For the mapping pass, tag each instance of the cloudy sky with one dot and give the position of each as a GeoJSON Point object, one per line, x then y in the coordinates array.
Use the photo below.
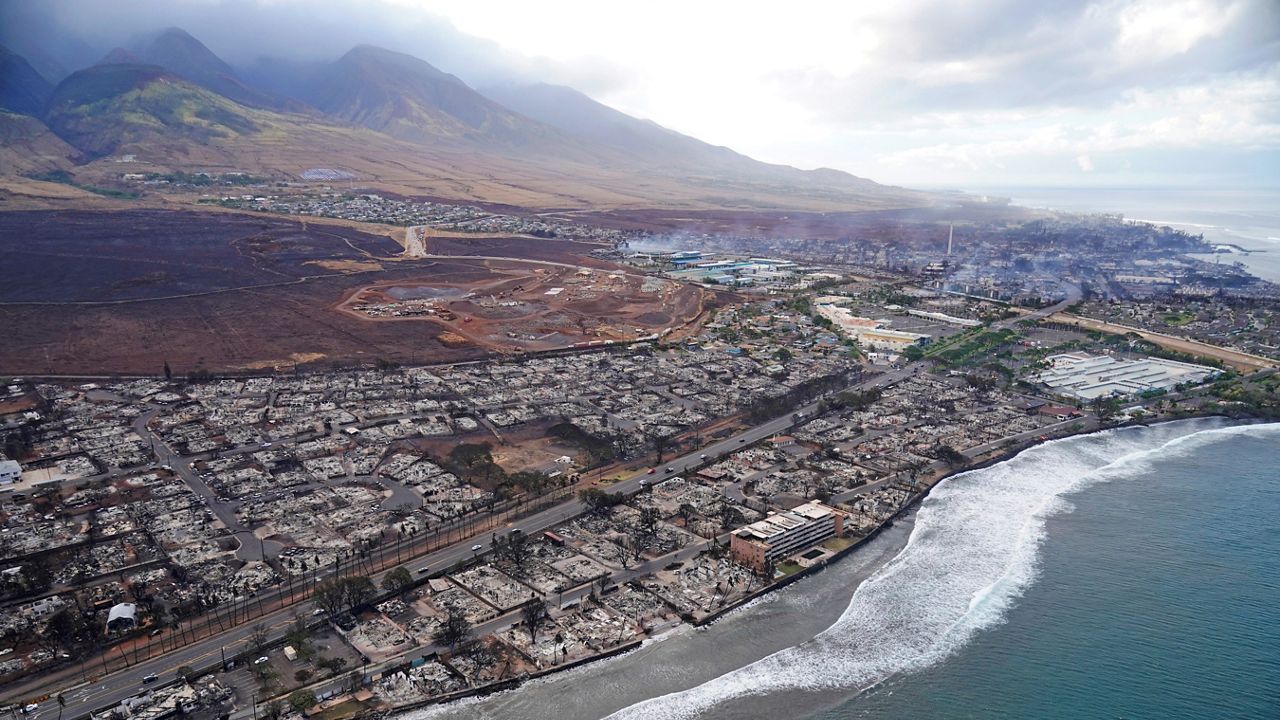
{"type": "Point", "coordinates": [974, 93]}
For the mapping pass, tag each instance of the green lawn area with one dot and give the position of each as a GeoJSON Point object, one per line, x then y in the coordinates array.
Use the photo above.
{"type": "Point", "coordinates": [838, 544]}
{"type": "Point", "coordinates": [970, 346]}
{"type": "Point", "coordinates": [788, 567]}
{"type": "Point", "coordinates": [1179, 319]}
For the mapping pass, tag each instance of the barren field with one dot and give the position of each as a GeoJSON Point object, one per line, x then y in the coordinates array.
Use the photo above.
{"type": "Point", "coordinates": [80, 256]}
{"type": "Point", "coordinates": [529, 307]}
{"type": "Point", "coordinates": [98, 293]}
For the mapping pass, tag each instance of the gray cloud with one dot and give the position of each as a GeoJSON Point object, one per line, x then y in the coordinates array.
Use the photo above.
{"type": "Point", "coordinates": [1026, 55]}
{"type": "Point", "coordinates": [76, 34]}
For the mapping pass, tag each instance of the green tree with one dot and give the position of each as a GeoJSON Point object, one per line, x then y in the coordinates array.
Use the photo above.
{"type": "Point", "coordinates": [469, 455]}
{"type": "Point", "coordinates": [397, 580]}
{"type": "Point", "coordinates": [336, 595]}
{"type": "Point", "coordinates": [300, 700]}
{"type": "Point", "coordinates": [359, 589]}
{"type": "Point", "coordinates": [598, 501]}
{"type": "Point", "coordinates": [65, 630]}
{"type": "Point", "coordinates": [328, 596]}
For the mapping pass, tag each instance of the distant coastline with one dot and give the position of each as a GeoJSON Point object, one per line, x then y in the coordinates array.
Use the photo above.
{"type": "Point", "coordinates": [1246, 220]}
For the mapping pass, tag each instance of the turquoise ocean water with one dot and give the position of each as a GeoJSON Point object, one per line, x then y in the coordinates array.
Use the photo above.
{"type": "Point", "coordinates": [1132, 573]}
{"type": "Point", "coordinates": [1157, 596]}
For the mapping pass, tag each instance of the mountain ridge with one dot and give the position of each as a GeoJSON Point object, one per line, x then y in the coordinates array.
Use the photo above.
{"type": "Point", "coordinates": [182, 54]}
{"type": "Point", "coordinates": [399, 122]}
{"type": "Point", "coordinates": [22, 89]}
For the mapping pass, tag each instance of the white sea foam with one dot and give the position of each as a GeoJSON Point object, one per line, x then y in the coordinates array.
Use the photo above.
{"type": "Point", "coordinates": [1175, 223]}
{"type": "Point", "coordinates": [973, 552]}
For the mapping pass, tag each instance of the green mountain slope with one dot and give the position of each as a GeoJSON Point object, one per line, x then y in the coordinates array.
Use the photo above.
{"type": "Point", "coordinates": [101, 108]}
{"type": "Point", "coordinates": [410, 99]}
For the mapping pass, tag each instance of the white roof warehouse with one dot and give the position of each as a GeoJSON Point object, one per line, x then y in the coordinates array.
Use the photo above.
{"type": "Point", "coordinates": [1087, 376]}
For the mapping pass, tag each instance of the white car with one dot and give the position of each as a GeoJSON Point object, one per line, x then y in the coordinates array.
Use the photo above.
{"type": "Point", "coordinates": [31, 707]}
{"type": "Point", "coordinates": [477, 548]}
{"type": "Point", "coordinates": [261, 660]}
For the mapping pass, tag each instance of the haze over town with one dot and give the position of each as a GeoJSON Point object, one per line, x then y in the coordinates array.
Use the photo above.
{"type": "Point", "coordinates": [376, 359]}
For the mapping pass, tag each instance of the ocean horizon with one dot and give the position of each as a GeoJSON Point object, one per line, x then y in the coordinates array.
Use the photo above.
{"type": "Point", "coordinates": [1248, 218]}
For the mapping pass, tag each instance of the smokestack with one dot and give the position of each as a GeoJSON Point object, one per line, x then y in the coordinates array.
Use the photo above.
{"type": "Point", "coordinates": [951, 231]}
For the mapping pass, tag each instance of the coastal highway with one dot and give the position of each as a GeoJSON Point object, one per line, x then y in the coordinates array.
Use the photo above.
{"type": "Point", "coordinates": [506, 621]}
{"type": "Point", "coordinates": [208, 653]}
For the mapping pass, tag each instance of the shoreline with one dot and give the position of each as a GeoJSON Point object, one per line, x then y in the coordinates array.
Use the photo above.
{"type": "Point", "coordinates": [906, 515]}
{"type": "Point", "coordinates": [903, 514]}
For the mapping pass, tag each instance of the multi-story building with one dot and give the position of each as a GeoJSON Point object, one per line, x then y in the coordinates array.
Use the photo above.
{"type": "Point", "coordinates": [782, 534]}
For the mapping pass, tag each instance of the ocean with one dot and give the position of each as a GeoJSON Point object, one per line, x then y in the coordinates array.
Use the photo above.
{"type": "Point", "coordinates": [1131, 573]}
{"type": "Point", "coordinates": [1249, 219]}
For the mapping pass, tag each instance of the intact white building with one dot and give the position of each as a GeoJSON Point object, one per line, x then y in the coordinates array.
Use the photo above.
{"type": "Point", "coordinates": [10, 472]}
{"type": "Point", "coordinates": [1085, 376]}
{"type": "Point", "coordinates": [868, 332]}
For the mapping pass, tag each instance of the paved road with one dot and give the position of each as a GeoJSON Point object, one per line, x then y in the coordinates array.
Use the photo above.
{"type": "Point", "coordinates": [504, 622]}
{"type": "Point", "coordinates": [208, 653]}
{"type": "Point", "coordinates": [1074, 293]}
{"type": "Point", "coordinates": [251, 547]}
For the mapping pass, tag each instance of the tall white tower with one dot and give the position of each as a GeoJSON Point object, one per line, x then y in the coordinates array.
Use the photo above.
{"type": "Point", "coordinates": [951, 231]}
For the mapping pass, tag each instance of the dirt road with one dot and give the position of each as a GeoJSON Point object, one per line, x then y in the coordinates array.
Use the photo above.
{"type": "Point", "coordinates": [1233, 358]}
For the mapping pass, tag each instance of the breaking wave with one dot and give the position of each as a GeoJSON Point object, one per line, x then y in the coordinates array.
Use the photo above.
{"type": "Point", "coordinates": [973, 552]}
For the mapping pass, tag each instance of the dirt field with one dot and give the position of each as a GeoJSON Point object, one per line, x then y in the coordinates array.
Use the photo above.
{"type": "Point", "coordinates": [95, 293]}
{"type": "Point", "coordinates": [526, 307]}
{"type": "Point", "coordinates": [85, 256]}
